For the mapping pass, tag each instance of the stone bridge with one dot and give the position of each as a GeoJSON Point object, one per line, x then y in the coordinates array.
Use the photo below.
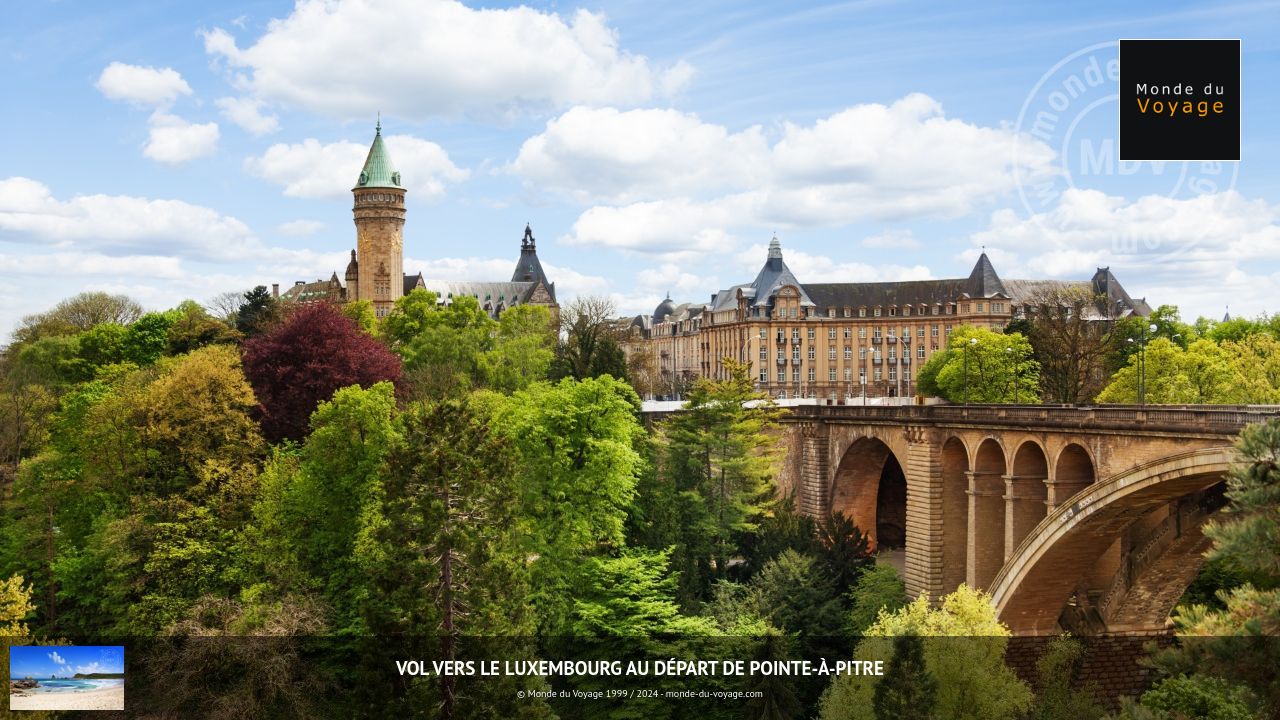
{"type": "Point", "coordinates": [1079, 518]}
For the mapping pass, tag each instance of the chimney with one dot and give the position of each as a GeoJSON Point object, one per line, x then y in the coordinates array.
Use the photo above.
{"type": "Point", "coordinates": [275, 289]}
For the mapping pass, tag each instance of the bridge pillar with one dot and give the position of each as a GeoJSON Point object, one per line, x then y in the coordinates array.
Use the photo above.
{"type": "Point", "coordinates": [986, 526]}
{"type": "Point", "coordinates": [1024, 508]}
{"type": "Point", "coordinates": [814, 497]}
{"type": "Point", "coordinates": [1058, 492]}
{"type": "Point", "coordinates": [925, 529]}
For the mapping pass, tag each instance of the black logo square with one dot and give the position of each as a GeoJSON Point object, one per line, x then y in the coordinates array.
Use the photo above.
{"type": "Point", "coordinates": [1179, 100]}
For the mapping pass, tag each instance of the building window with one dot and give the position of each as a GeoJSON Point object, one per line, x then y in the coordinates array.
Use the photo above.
{"type": "Point", "coordinates": [813, 352]}
{"type": "Point", "coordinates": [875, 334]}
{"type": "Point", "coordinates": [877, 312]}
{"type": "Point", "coordinates": [764, 375]}
{"type": "Point", "coordinates": [812, 375]}
{"type": "Point", "coordinates": [862, 376]}
{"type": "Point", "coordinates": [795, 353]}
{"type": "Point", "coordinates": [782, 376]}
{"type": "Point", "coordinates": [831, 353]}
{"type": "Point", "coordinates": [795, 375]}
{"type": "Point", "coordinates": [893, 311]}
{"type": "Point", "coordinates": [933, 331]}
{"type": "Point", "coordinates": [811, 333]}
{"type": "Point", "coordinates": [948, 332]}
{"type": "Point", "coordinates": [862, 333]}
{"type": "Point", "coordinates": [795, 334]}
{"type": "Point", "coordinates": [831, 375]}
{"type": "Point", "coordinates": [831, 333]}
{"type": "Point", "coordinates": [831, 312]}
{"type": "Point", "coordinates": [934, 348]}
{"type": "Point", "coordinates": [862, 353]}
{"type": "Point", "coordinates": [920, 351]}
{"type": "Point", "coordinates": [862, 312]}
{"type": "Point", "coordinates": [906, 310]}
{"type": "Point", "coordinates": [878, 376]}
{"type": "Point", "coordinates": [848, 333]}
{"type": "Point", "coordinates": [764, 353]}
{"type": "Point", "coordinates": [979, 307]}
{"type": "Point", "coordinates": [764, 334]}
{"type": "Point", "coordinates": [848, 373]}
{"type": "Point", "coordinates": [893, 374]}
{"type": "Point", "coordinates": [997, 307]}
{"type": "Point", "coordinates": [848, 353]}
{"type": "Point", "coordinates": [920, 331]}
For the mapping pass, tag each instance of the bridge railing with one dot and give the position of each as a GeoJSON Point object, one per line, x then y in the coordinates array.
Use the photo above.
{"type": "Point", "coordinates": [1210, 418]}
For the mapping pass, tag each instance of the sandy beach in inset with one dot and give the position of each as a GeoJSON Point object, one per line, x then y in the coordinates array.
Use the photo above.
{"type": "Point", "coordinates": [109, 698]}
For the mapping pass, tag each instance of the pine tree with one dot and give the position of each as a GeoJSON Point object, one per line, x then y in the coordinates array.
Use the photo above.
{"type": "Point", "coordinates": [720, 458]}
{"type": "Point", "coordinates": [907, 690]}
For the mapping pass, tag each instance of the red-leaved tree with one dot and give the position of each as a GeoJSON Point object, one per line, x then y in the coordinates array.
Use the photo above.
{"type": "Point", "coordinates": [301, 362]}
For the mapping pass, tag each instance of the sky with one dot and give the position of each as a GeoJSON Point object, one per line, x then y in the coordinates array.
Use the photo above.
{"type": "Point", "coordinates": [43, 661]}
{"type": "Point", "coordinates": [171, 150]}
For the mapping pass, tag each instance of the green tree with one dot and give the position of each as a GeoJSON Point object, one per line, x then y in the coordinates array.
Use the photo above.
{"type": "Point", "coordinates": [1196, 698]}
{"type": "Point", "coordinates": [720, 458]}
{"type": "Point", "coordinates": [1255, 367]}
{"type": "Point", "coordinates": [192, 328]}
{"type": "Point", "coordinates": [1166, 377]}
{"type": "Point", "coordinates": [101, 345]}
{"type": "Point", "coordinates": [796, 595]}
{"type": "Point", "coordinates": [78, 313]}
{"type": "Point", "coordinates": [1237, 643]}
{"type": "Point", "coordinates": [631, 595]}
{"type": "Point", "coordinates": [447, 556]}
{"type": "Point", "coordinates": [590, 347]}
{"type": "Point", "coordinates": [844, 552]}
{"type": "Point", "coordinates": [907, 689]}
{"type": "Point", "coordinates": [982, 366]}
{"type": "Point", "coordinates": [973, 681]}
{"type": "Point", "coordinates": [15, 606]}
{"type": "Point", "coordinates": [361, 311]}
{"type": "Point", "coordinates": [574, 477]}
{"type": "Point", "coordinates": [257, 312]}
{"type": "Point", "coordinates": [522, 349]}
{"type": "Point", "coordinates": [147, 338]}
{"type": "Point", "coordinates": [442, 345]}
{"type": "Point", "coordinates": [878, 589]}
{"type": "Point", "coordinates": [1055, 698]}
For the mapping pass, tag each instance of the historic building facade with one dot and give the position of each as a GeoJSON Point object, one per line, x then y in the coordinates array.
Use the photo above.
{"type": "Point", "coordinates": [376, 271]}
{"type": "Point", "coordinates": [835, 340]}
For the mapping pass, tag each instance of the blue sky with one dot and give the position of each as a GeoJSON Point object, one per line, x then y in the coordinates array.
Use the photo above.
{"type": "Point", "coordinates": [42, 661]}
{"type": "Point", "coordinates": [170, 150]}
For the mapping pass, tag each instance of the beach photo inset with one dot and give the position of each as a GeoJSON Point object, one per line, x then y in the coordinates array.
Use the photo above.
{"type": "Point", "coordinates": [66, 677]}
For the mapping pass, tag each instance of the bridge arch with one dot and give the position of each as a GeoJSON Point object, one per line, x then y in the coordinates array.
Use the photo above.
{"type": "Point", "coordinates": [870, 487]}
{"type": "Point", "coordinates": [1073, 470]}
{"type": "Point", "coordinates": [955, 512]}
{"type": "Point", "coordinates": [986, 512]}
{"type": "Point", "coordinates": [1027, 493]}
{"type": "Point", "coordinates": [1033, 587]}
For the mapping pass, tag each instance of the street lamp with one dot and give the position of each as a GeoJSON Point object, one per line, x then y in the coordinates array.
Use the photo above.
{"type": "Point", "coordinates": [1013, 376]}
{"type": "Point", "coordinates": [972, 342]}
{"type": "Point", "coordinates": [1142, 362]}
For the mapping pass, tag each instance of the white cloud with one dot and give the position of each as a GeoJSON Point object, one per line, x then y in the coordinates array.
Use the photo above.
{"type": "Point", "coordinates": [667, 180]}
{"type": "Point", "coordinates": [118, 224]}
{"type": "Point", "coordinates": [674, 279]}
{"type": "Point", "coordinates": [892, 240]}
{"type": "Point", "coordinates": [810, 268]}
{"type": "Point", "coordinates": [56, 658]}
{"type": "Point", "coordinates": [619, 157]}
{"type": "Point", "coordinates": [313, 170]}
{"type": "Point", "coordinates": [1199, 252]}
{"type": "Point", "coordinates": [93, 667]}
{"type": "Point", "coordinates": [97, 264]}
{"type": "Point", "coordinates": [248, 114]}
{"type": "Point", "coordinates": [300, 227]}
{"type": "Point", "coordinates": [142, 85]}
{"type": "Point", "coordinates": [347, 58]}
{"type": "Point", "coordinates": [174, 141]}
{"type": "Point", "coordinates": [672, 230]}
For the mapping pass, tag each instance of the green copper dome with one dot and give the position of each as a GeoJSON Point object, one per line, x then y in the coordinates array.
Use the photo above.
{"type": "Point", "coordinates": [378, 171]}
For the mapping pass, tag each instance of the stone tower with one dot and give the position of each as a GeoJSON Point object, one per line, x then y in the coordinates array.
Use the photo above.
{"type": "Point", "coordinates": [378, 265]}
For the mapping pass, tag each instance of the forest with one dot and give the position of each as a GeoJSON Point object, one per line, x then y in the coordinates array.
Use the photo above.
{"type": "Point", "coordinates": [269, 503]}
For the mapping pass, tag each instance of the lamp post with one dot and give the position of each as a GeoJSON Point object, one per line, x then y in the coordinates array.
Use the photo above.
{"type": "Point", "coordinates": [1013, 374]}
{"type": "Point", "coordinates": [972, 342]}
{"type": "Point", "coordinates": [1142, 362]}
